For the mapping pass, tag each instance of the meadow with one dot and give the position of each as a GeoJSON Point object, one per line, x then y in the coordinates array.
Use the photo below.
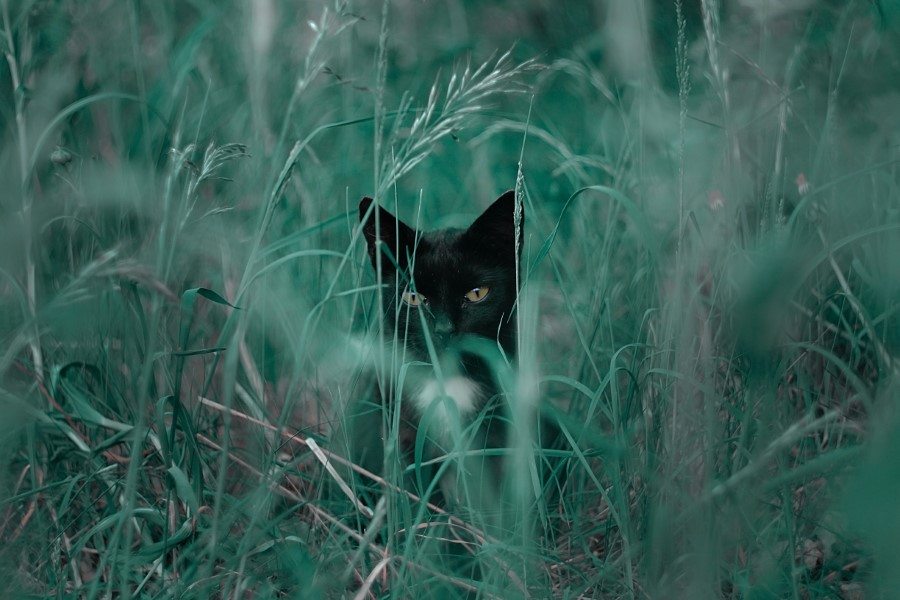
{"type": "Point", "coordinates": [709, 304]}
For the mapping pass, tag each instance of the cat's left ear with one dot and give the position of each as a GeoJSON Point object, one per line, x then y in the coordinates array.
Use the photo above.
{"type": "Point", "coordinates": [397, 236]}
{"type": "Point", "coordinates": [495, 229]}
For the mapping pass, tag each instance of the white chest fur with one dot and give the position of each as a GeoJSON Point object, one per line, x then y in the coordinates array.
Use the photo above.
{"type": "Point", "coordinates": [448, 402]}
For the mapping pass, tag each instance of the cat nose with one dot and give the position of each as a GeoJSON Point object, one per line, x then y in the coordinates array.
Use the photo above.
{"type": "Point", "coordinates": [443, 327]}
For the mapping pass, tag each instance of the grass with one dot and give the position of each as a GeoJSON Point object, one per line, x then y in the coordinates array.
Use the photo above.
{"type": "Point", "coordinates": [709, 306]}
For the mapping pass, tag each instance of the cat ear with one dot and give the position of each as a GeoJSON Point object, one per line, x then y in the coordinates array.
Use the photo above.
{"type": "Point", "coordinates": [399, 238]}
{"type": "Point", "coordinates": [495, 229]}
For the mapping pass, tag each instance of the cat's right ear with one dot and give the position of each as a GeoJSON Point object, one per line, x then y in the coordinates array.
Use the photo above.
{"type": "Point", "coordinates": [396, 236]}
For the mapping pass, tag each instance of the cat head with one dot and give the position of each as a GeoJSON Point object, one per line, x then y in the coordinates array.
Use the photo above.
{"type": "Point", "coordinates": [458, 283]}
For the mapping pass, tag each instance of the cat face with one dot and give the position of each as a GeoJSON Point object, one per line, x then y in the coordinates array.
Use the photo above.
{"type": "Point", "coordinates": [450, 284]}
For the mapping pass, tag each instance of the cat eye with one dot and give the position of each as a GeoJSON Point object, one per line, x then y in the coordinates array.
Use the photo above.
{"type": "Point", "coordinates": [478, 294]}
{"type": "Point", "coordinates": [413, 299]}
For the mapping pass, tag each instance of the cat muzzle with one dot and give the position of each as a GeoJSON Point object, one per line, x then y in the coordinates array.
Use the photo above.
{"type": "Point", "coordinates": [442, 330]}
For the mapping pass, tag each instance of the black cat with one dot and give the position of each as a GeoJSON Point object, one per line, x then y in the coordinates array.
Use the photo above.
{"type": "Point", "coordinates": [449, 298]}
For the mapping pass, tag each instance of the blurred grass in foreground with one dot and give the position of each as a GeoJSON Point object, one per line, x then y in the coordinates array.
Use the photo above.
{"type": "Point", "coordinates": [711, 256]}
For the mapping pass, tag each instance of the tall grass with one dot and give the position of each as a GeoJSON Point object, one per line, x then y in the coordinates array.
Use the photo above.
{"type": "Point", "coordinates": [709, 307]}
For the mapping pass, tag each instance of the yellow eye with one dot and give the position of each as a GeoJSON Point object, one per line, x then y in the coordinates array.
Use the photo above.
{"type": "Point", "coordinates": [478, 294]}
{"type": "Point", "coordinates": [413, 299]}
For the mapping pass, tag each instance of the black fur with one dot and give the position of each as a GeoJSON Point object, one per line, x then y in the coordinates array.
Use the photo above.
{"type": "Point", "coordinates": [443, 266]}
{"type": "Point", "coordinates": [466, 337]}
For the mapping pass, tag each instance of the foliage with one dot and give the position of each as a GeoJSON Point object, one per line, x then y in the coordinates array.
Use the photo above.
{"type": "Point", "coordinates": [709, 308]}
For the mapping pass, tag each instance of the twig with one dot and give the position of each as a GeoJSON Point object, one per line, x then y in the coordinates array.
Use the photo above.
{"type": "Point", "coordinates": [324, 515]}
{"type": "Point", "coordinates": [476, 533]}
{"type": "Point", "coordinates": [370, 579]}
{"type": "Point", "coordinates": [337, 477]}
{"type": "Point", "coordinates": [479, 535]}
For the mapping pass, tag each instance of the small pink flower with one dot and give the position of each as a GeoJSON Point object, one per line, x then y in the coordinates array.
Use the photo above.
{"type": "Point", "coordinates": [715, 199]}
{"type": "Point", "coordinates": [802, 184]}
